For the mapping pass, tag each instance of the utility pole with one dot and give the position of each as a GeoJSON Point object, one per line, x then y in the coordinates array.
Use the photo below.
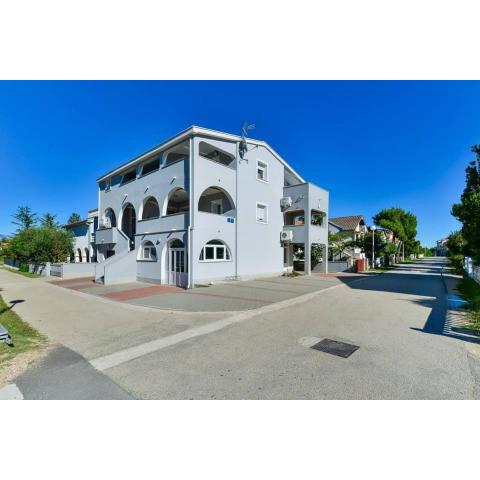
{"type": "Point", "coordinates": [373, 228]}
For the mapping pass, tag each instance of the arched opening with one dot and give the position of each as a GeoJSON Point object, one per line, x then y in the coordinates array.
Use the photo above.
{"type": "Point", "coordinates": [215, 251]}
{"type": "Point", "coordinates": [216, 200]}
{"type": "Point", "coordinates": [150, 209]}
{"type": "Point", "coordinates": [177, 153]}
{"type": "Point", "coordinates": [79, 255]}
{"type": "Point", "coordinates": [129, 222]}
{"type": "Point", "coordinates": [178, 202]}
{"type": "Point", "coordinates": [109, 218]}
{"type": "Point", "coordinates": [147, 252]}
{"type": "Point", "coordinates": [87, 255]}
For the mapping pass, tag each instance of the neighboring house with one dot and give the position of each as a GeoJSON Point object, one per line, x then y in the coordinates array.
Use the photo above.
{"type": "Point", "coordinates": [84, 234]}
{"type": "Point", "coordinates": [351, 228]}
{"type": "Point", "coordinates": [441, 249]}
{"type": "Point", "coordinates": [353, 225]}
{"type": "Point", "coordinates": [206, 206]}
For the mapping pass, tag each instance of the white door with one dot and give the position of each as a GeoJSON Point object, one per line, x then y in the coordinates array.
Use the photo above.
{"type": "Point", "coordinates": [177, 273]}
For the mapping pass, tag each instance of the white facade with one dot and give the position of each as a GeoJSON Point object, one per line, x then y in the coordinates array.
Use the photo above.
{"type": "Point", "coordinates": [193, 211]}
{"type": "Point", "coordinates": [85, 250]}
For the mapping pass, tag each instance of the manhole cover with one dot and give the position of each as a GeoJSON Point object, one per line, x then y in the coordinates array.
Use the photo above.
{"type": "Point", "coordinates": [340, 349]}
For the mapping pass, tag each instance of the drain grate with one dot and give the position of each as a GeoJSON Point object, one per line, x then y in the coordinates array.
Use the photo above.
{"type": "Point", "coordinates": [333, 347]}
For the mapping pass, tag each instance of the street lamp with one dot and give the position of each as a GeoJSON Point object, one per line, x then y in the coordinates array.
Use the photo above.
{"type": "Point", "coordinates": [373, 228]}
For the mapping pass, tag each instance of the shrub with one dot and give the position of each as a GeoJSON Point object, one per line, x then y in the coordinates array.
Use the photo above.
{"type": "Point", "coordinates": [23, 267]}
{"type": "Point", "coordinates": [456, 261]}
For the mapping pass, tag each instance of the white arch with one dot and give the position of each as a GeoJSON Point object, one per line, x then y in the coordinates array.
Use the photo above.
{"type": "Point", "coordinates": [141, 210]}
{"type": "Point", "coordinates": [169, 197]}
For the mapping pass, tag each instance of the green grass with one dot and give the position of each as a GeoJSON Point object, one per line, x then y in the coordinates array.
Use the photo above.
{"type": "Point", "coordinates": [469, 290]}
{"type": "Point", "coordinates": [25, 274]}
{"type": "Point", "coordinates": [24, 337]}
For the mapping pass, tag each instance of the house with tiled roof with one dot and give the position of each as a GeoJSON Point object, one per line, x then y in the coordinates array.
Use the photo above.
{"type": "Point", "coordinates": [354, 224]}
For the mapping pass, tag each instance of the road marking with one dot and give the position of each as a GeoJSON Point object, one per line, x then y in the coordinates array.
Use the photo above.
{"type": "Point", "coordinates": [10, 392]}
{"type": "Point", "coordinates": [122, 356]}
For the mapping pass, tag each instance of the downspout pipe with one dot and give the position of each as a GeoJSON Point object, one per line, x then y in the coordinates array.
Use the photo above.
{"type": "Point", "coordinates": [190, 214]}
{"type": "Point", "coordinates": [236, 207]}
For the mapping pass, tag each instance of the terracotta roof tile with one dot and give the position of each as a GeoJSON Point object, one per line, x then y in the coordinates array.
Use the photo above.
{"type": "Point", "coordinates": [347, 223]}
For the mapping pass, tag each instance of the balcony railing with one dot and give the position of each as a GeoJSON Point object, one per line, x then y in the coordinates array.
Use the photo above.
{"type": "Point", "coordinates": [105, 235]}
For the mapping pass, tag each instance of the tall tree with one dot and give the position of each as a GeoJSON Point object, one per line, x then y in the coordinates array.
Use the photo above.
{"type": "Point", "coordinates": [49, 220]}
{"type": "Point", "coordinates": [467, 211]}
{"type": "Point", "coordinates": [24, 218]}
{"type": "Point", "coordinates": [403, 224]}
{"type": "Point", "coordinates": [74, 217]}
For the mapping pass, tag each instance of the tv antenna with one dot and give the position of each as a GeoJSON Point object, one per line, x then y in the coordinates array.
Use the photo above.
{"type": "Point", "coordinates": [243, 144]}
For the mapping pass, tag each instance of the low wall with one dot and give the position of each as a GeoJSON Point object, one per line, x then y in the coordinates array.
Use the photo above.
{"type": "Point", "coordinates": [11, 263]}
{"type": "Point", "coordinates": [61, 270]}
{"type": "Point", "coordinates": [74, 270]}
{"type": "Point", "coordinates": [42, 269]}
{"type": "Point", "coordinates": [335, 267]}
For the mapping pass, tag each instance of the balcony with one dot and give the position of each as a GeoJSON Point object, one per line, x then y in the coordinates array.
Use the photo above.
{"type": "Point", "coordinates": [299, 232]}
{"type": "Point", "coordinates": [106, 235]}
{"type": "Point", "coordinates": [178, 221]}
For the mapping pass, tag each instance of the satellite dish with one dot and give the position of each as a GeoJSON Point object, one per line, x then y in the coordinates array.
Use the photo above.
{"type": "Point", "coordinates": [243, 149]}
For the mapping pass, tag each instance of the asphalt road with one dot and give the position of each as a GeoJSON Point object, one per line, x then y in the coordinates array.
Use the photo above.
{"type": "Point", "coordinates": [396, 319]}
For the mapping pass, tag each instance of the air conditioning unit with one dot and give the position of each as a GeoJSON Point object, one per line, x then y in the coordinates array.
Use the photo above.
{"type": "Point", "coordinates": [285, 202]}
{"type": "Point", "coordinates": [286, 236]}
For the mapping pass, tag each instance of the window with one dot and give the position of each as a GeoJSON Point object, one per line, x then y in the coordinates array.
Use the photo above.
{"type": "Point", "coordinates": [217, 206]}
{"type": "Point", "coordinates": [212, 153]}
{"type": "Point", "coordinates": [151, 166]}
{"type": "Point", "coordinates": [262, 213]}
{"type": "Point", "coordinates": [215, 251]}
{"type": "Point", "coordinates": [262, 171]}
{"type": "Point", "coordinates": [129, 176]}
{"type": "Point", "coordinates": [148, 252]}
{"type": "Point", "coordinates": [107, 185]}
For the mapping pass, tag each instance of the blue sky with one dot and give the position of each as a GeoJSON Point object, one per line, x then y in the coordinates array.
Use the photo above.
{"type": "Point", "coordinates": [371, 144]}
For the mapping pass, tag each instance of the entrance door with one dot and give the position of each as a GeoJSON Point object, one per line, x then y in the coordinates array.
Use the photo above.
{"type": "Point", "coordinates": [177, 273]}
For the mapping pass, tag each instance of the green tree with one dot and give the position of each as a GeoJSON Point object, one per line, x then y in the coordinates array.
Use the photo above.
{"type": "Point", "coordinates": [339, 242]}
{"type": "Point", "coordinates": [74, 217]}
{"type": "Point", "coordinates": [403, 224]}
{"type": "Point", "coordinates": [49, 220]}
{"type": "Point", "coordinates": [467, 211]}
{"type": "Point", "coordinates": [41, 244]}
{"type": "Point", "coordinates": [24, 218]}
{"type": "Point", "coordinates": [456, 243]}
{"type": "Point", "coordinates": [365, 242]}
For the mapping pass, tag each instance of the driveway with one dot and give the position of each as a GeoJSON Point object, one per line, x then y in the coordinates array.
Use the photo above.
{"type": "Point", "coordinates": [220, 297]}
{"type": "Point", "coordinates": [396, 319]}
